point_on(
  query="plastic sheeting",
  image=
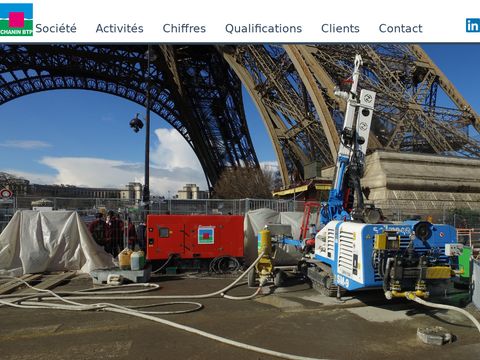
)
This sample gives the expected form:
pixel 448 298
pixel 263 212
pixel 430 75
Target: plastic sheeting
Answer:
pixel 257 219
pixel 476 283
pixel 44 241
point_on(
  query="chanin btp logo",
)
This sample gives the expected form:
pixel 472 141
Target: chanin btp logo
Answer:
pixel 16 19
pixel 473 25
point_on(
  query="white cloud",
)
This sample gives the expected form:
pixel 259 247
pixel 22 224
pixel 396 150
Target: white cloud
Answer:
pixel 269 165
pixel 173 164
pixel 173 151
pixel 25 144
pixel 91 172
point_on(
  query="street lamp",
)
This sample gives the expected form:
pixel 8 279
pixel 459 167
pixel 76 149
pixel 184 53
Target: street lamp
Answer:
pixel 136 124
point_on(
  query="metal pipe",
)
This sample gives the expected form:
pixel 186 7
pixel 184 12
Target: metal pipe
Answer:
pixel 410 294
pixel 146 187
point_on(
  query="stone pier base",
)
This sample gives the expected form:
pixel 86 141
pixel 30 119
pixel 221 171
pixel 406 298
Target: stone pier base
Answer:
pixel 407 184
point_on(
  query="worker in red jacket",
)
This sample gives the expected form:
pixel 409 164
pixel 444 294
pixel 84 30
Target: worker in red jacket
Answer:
pixel 131 234
pixel 98 229
pixel 114 238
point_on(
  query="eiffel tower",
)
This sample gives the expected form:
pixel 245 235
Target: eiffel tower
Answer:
pixel 197 89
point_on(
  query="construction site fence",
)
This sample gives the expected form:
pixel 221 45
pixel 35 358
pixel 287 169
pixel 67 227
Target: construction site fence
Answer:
pixel 88 207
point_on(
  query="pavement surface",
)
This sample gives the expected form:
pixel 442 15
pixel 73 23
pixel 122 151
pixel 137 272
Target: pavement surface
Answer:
pixel 294 319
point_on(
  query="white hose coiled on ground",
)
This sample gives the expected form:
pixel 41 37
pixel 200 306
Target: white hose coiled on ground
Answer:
pixel 445 307
pixel 24 303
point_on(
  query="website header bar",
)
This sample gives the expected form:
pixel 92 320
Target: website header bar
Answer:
pixel 207 21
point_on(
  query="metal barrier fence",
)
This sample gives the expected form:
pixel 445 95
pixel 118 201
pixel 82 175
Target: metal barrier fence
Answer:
pixel 5 216
pixel 172 206
pixel 469 237
pixel 87 207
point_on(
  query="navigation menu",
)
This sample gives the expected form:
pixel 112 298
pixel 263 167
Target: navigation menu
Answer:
pixel 210 21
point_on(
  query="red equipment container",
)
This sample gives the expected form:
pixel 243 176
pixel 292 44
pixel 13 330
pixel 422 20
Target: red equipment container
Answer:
pixel 194 236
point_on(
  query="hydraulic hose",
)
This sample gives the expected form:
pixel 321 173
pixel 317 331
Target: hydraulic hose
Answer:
pixel 164 265
pixel 146 315
pixel 220 292
pixel 212 336
pixel 69 304
pixel 98 296
pixel 415 298
pixel 386 275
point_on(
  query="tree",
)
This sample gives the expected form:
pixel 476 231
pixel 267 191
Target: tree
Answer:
pixel 16 184
pixel 9 181
pixel 244 182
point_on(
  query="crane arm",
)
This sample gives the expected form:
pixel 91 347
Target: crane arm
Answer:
pixel 350 161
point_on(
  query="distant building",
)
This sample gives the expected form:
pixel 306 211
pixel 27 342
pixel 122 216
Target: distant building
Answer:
pixel 133 191
pixel 22 187
pixel 192 192
pixel 71 191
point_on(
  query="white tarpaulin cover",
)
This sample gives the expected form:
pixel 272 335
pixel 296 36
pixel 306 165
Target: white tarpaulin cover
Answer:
pixel 40 241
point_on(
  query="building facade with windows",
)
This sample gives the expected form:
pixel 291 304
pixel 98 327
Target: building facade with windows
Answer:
pixel 192 192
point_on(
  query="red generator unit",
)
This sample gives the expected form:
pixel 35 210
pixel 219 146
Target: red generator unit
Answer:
pixel 194 236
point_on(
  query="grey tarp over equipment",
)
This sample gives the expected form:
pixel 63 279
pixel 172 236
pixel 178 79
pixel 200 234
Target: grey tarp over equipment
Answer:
pixel 255 221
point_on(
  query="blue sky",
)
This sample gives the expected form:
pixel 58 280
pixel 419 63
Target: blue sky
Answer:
pixel 83 137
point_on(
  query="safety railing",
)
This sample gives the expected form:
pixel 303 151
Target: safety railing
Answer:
pixel 87 207
pixel 469 237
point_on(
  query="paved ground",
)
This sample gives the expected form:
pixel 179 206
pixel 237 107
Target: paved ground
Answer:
pixel 296 320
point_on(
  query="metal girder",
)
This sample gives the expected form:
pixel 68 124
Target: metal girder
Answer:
pixel 406 116
pixel 271 122
pixel 296 79
pixel 448 86
pixel 293 123
pixel 316 95
pixel 317 78
pixel 192 88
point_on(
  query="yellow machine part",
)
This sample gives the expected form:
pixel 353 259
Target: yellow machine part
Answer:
pixel 380 241
pixel 409 294
pixel 264 266
pixel 265 243
pixel 438 272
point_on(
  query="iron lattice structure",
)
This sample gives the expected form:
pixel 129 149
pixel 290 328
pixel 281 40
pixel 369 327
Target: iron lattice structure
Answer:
pixel 198 90
pixel 293 88
pixel 192 88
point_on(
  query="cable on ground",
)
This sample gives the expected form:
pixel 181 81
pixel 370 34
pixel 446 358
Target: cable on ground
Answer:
pixel 68 304
pixel 170 258
pixel 415 298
